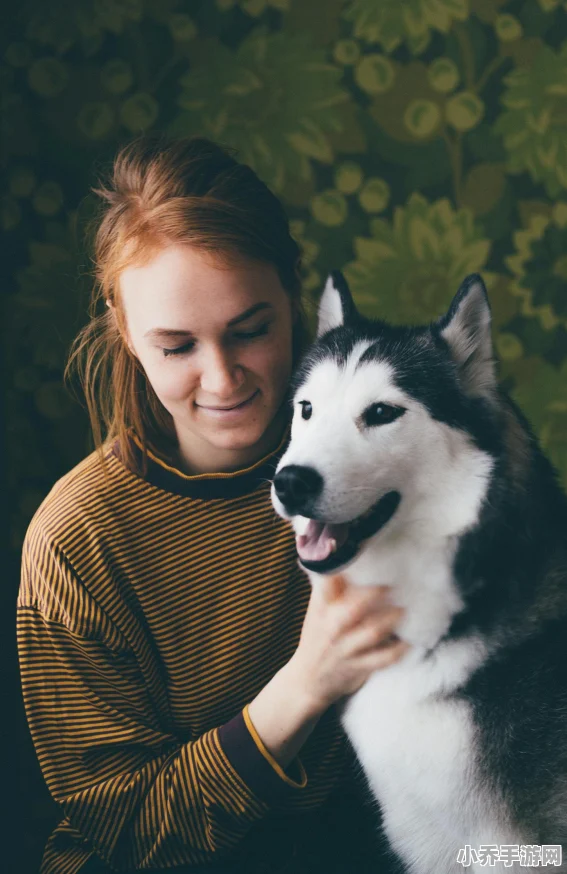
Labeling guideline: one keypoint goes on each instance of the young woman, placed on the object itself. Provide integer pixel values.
(179, 675)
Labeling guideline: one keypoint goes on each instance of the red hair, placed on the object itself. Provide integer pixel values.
(163, 192)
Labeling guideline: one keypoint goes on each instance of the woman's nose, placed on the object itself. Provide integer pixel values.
(221, 374)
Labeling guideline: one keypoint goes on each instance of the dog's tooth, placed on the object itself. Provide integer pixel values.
(333, 543)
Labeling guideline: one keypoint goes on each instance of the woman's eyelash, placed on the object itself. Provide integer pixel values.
(180, 350)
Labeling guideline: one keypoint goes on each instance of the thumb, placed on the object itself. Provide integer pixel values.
(333, 587)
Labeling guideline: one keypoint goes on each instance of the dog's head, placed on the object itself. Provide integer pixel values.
(389, 423)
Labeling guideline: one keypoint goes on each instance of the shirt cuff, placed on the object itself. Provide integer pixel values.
(249, 757)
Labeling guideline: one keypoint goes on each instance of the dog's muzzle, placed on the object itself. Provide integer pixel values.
(297, 488)
(325, 546)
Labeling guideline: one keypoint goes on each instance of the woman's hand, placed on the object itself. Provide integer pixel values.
(347, 634)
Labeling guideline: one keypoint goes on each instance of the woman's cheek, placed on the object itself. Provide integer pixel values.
(170, 381)
(280, 364)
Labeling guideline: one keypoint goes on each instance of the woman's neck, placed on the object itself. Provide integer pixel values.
(186, 459)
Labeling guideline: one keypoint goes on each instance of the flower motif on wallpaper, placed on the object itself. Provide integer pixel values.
(275, 99)
(552, 5)
(61, 23)
(541, 391)
(254, 7)
(408, 270)
(311, 278)
(51, 288)
(534, 122)
(390, 22)
(539, 266)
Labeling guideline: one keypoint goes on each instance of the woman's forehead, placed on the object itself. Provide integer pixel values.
(185, 284)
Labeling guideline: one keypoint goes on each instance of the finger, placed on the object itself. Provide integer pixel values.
(392, 652)
(366, 598)
(385, 656)
(383, 624)
(333, 587)
(367, 638)
(387, 640)
(379, 617)
(377, 594)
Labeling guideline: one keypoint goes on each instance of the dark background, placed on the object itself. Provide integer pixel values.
(408, 150)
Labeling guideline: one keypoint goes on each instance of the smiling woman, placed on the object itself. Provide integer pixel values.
(224, 387)
(188, 234)
(174, 660)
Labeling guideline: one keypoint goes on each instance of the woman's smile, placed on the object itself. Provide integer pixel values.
(230, 411)
(224, 335)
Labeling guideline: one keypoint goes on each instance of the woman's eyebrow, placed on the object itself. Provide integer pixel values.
(154, 333)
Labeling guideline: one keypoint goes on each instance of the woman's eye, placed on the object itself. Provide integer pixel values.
(179, 350)
(263, 329)
(242, 335)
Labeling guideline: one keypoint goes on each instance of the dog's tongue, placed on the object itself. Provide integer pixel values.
(315, 543)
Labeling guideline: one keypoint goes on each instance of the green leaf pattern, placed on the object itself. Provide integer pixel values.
(534, 123)
(391, 23)
(411, 143)
(276, 99)
(417, 260)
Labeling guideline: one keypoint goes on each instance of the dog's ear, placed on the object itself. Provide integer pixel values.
(466, 328)
(336, 305)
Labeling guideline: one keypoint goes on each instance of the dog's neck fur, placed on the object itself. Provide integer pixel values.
(521, 531)
(460, 573)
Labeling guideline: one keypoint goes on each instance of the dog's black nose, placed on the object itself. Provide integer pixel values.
(297, 487)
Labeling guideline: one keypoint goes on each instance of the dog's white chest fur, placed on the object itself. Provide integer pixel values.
(368, 423)
(415, 742)
(418, 751)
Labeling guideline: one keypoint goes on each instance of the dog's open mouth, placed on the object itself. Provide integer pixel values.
(324, 546)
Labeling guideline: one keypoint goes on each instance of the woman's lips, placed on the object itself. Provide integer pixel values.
(231, 407)
(231, 411)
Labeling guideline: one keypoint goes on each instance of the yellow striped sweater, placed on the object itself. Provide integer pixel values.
(152, 610)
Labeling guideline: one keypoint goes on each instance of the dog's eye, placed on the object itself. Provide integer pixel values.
(306, 409)
(381, 414)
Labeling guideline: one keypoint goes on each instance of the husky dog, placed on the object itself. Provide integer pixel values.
(409, 467)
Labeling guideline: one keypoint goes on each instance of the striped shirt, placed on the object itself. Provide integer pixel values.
(152, 610)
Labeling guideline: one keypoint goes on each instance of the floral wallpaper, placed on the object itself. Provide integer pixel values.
(411, 143)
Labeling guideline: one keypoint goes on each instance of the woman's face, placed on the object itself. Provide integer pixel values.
(178, 311)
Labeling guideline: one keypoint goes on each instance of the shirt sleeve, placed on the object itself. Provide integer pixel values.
(139, 796)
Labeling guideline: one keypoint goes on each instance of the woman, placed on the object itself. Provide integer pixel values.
(179, 675)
